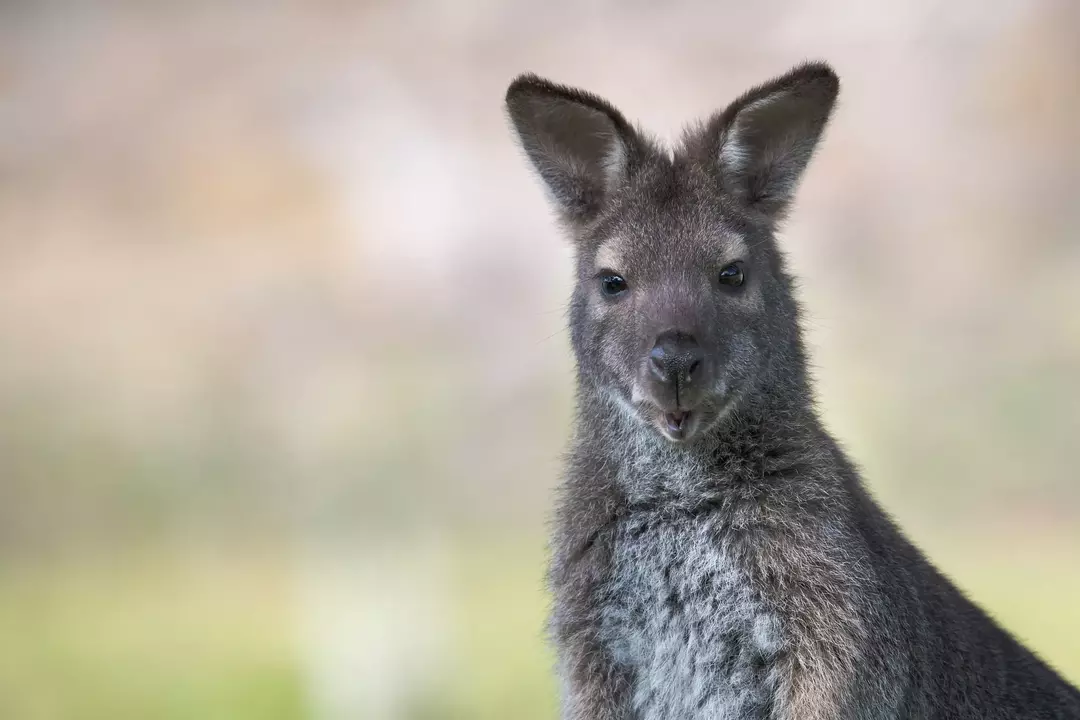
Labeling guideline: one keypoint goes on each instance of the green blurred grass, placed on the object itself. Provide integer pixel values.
(154, 632)
(505, 668)
(157, 632)
(147, 633)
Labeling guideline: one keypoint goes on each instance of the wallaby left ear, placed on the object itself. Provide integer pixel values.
(763, 141)
(581, 146)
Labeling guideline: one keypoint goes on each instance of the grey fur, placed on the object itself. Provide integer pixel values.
(741, 570)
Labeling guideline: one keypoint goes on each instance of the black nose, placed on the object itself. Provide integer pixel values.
(676, 359)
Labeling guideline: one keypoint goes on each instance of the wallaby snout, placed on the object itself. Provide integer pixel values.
(677, 370)
(676, 373)
(675, 360)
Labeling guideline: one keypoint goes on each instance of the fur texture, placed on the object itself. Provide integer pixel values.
(734, 566)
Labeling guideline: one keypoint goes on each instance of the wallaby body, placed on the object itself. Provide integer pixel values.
(715, 554)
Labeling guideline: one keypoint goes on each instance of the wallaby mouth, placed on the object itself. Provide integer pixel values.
(676, 425)
(685, 425)
(676, 420)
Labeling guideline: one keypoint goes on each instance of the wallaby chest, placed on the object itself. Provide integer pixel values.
(680, 613)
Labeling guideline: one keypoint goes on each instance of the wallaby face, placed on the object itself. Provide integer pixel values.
(715, 554)
(681, 299)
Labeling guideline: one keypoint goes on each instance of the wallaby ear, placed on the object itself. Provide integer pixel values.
(764, 140)
(581, 146)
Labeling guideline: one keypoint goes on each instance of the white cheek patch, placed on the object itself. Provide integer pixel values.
(626, 406)
(597, 307)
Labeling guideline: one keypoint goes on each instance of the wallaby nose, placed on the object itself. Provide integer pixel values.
(676, 359)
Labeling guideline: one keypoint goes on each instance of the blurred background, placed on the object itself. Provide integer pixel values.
(284, 372)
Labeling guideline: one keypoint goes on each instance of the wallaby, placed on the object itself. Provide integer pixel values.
(715, 554)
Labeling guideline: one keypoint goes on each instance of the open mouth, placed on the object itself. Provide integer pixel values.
(675, 424)
(680, 425)
(676, 420)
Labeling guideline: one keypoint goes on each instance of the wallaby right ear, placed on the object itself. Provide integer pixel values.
(581, 146)
(763, 141)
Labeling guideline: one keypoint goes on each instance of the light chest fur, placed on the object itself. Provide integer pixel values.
(686, 621)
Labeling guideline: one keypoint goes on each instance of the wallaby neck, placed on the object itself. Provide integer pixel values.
(773, 428)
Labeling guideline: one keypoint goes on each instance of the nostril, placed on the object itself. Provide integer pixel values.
(658, 363)
(694, 364)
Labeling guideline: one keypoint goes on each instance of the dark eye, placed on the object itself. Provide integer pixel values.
(732, 275)
(612, 284)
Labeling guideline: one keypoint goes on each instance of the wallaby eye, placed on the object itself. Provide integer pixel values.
(732, 275)
(612, 284)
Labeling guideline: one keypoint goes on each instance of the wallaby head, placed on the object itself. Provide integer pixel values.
(682, 312)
